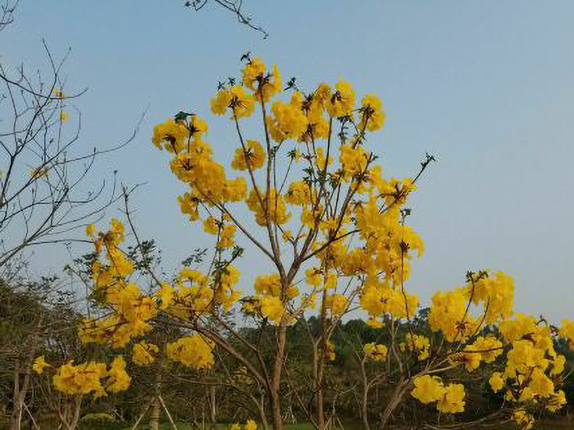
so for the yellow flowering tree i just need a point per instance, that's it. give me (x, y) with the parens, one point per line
(334, 230)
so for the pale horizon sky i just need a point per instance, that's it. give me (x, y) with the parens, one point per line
(487, 87)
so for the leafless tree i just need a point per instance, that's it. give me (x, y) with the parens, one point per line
(233, 6)
(45, 188)
(7, 9)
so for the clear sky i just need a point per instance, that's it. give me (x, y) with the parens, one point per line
(486, 86)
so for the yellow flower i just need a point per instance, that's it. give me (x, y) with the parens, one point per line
(80, 379)
(226, 239)
(275, 210)
(372, 115)
(272, 308)
(118, 379)
(341, 102)
(91, 230)
(165, 295)
(143, 353)
(337, 303)
(259, 81)
(250, 425)
(557, 400)
(287, 236)
(376, 352)
(353, 160)
(194, 351)
(253, 157)
(210, 225)
(452, 400)
(171, 135)
(428, 389)
(286, 122)
(39, 364)
(373, 323)
(497, 291)
(540, 384)
(299, 193)
(524, 419)
(417, 343)
(496, 382)
(240, 105)
(567, 331)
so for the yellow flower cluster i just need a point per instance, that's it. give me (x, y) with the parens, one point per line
(174, 136)
(448, 313)
(224, 231)
(288, 121)
(263, 84)
(353, 160)
(80, 379)
(251, 157)
(234, 99)
(418, 344)
(272, 308)
(388, 244)
(450, 310)
(483, 349)
(194, 351)
(523, 419)
(378, 299)
(337, 304)
(430, 389)
(497, 292)
(90, 377)
(531, 368)
(372, 115)
(340, 102)
(269, 298)
(567, 332)
(299, 194)
(330, 351)
(144, 353)
(270, 210)
(249, 425)
(132, 309)
(196, 292)
(118, 379)
(376, 352)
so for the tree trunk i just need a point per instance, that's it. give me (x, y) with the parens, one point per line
(155, 404)
(365, 397)
(274, 396)
(154, 414)
(395, 400)
(212, 407)
(322, 356)
(18, 397)
(262, 414)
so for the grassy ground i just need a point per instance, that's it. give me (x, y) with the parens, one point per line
(564, 424)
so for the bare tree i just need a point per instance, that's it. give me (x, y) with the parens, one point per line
(7, 9)
(233, 6)
(45, 190)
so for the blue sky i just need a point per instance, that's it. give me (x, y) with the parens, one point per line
(488, 87)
